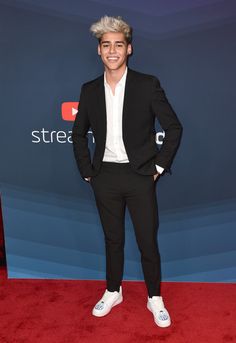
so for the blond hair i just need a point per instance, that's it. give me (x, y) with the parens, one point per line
(111, 24)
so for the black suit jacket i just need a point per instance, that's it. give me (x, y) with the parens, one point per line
(144, 101)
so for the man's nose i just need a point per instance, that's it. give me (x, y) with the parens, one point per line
(112, 48)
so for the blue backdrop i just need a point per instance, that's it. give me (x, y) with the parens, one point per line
(52, 229)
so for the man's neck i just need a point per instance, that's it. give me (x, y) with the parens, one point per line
(114, 76)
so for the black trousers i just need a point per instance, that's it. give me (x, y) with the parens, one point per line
(115, 187)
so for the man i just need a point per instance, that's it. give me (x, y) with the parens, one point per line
(121, 107)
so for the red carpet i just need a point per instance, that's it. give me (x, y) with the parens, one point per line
(58, 311)
(2, 245)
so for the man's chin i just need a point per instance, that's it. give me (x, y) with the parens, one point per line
(113, 67)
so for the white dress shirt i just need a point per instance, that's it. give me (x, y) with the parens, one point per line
(114, 148)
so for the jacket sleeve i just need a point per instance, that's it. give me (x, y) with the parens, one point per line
(79, 137)
(169, 123)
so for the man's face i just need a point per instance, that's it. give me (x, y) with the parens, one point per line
(114, 50)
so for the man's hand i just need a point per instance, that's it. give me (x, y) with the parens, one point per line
(155, 176)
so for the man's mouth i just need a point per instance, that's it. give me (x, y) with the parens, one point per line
(113, 59)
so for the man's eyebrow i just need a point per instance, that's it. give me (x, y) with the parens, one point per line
(117, 41)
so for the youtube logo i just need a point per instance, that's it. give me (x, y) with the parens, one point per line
(69, 110)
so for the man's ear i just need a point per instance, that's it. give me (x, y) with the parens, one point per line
(99, 49)
(129, 50)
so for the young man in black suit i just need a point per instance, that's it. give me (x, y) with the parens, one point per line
(121, 107)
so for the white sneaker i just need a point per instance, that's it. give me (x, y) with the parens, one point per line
(161, 316)
(108, 300)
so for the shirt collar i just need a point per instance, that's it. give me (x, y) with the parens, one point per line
(122, 80)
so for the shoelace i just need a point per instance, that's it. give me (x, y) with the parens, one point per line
(158, 302)
(106, 296)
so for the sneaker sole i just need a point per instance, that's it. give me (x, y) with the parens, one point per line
(117, 302)
(161, 325)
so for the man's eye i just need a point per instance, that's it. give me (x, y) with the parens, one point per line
(119, 45)
(105, 45)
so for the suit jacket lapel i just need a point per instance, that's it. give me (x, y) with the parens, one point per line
(102, 105)
(128, 98)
